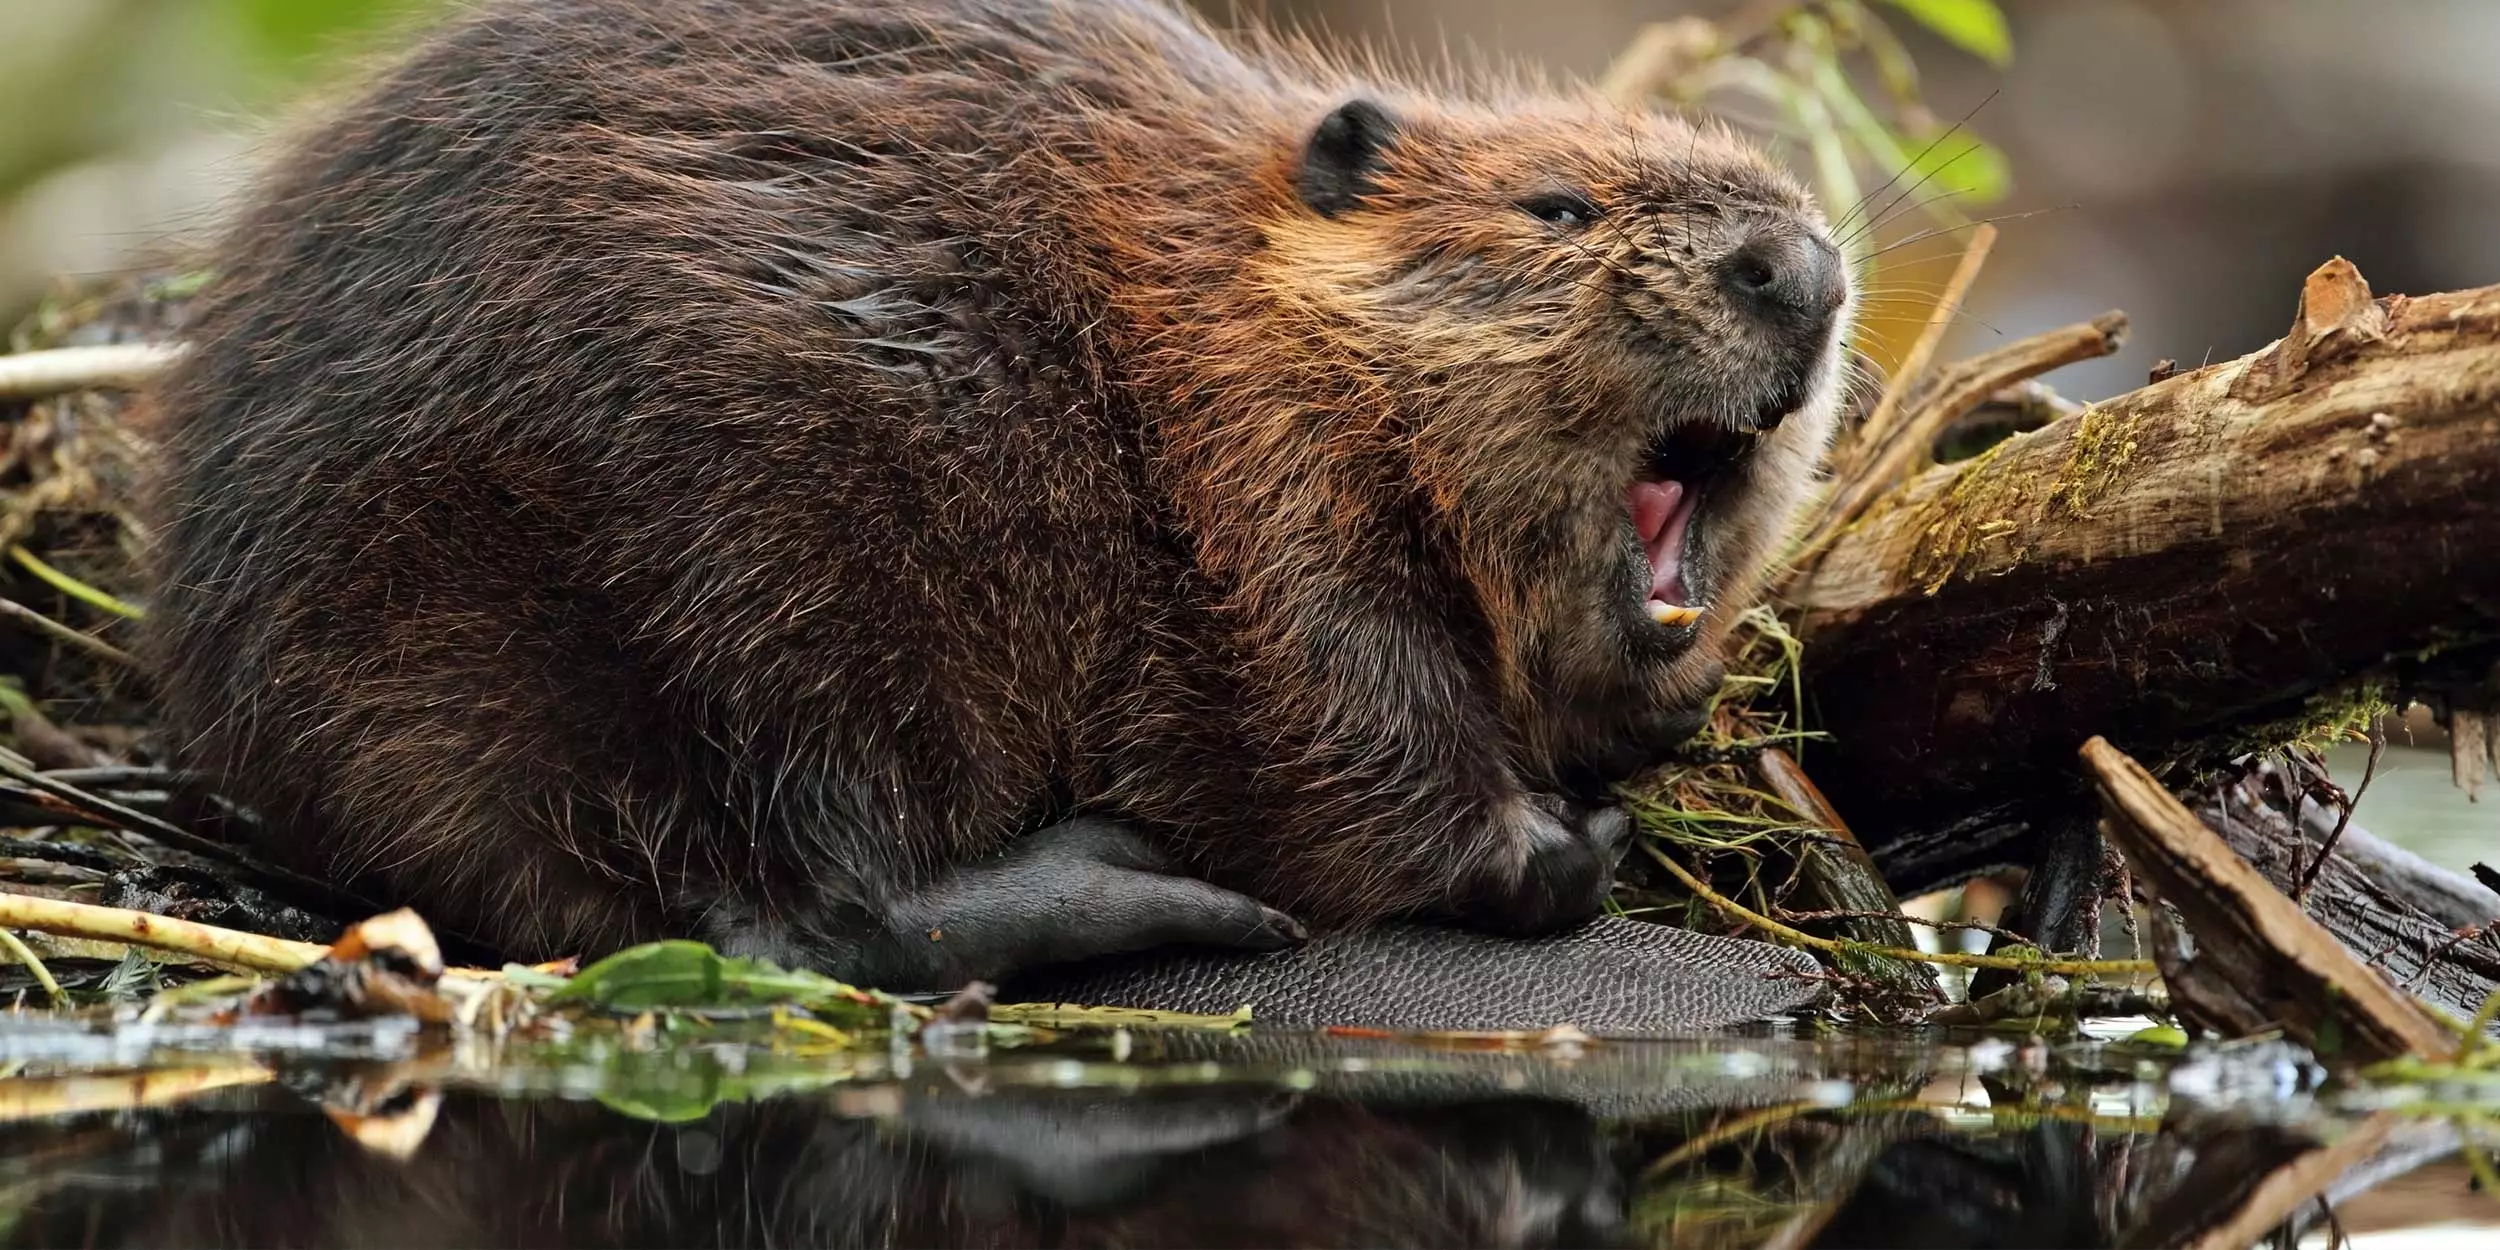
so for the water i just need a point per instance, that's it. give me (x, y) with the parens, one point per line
(1777, 1137)
(2414, 802)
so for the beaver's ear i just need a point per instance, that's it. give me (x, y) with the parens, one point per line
(1342, 155)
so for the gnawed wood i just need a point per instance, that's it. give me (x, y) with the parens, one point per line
(2469, 750)
(1891, 452)
(2280, 1193)
(2396, 918)
(1874, 456)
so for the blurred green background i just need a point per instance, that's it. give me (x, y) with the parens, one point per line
(123, 122)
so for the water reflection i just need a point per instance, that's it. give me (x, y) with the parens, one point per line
(1194, 1140)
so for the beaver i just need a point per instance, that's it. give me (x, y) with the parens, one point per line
(923, 488)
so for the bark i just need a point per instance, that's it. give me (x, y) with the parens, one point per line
(2390, 920)
(1836, 873)
(2169, 568)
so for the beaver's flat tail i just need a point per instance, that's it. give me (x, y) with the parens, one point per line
(1610, 976)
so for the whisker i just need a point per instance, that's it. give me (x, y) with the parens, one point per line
(1894, 209)
(1923, 153)
(1925, 235)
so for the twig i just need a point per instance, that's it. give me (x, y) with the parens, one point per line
(2378, 747)
(230, 948)
(1841, 873)
(2049, 997)
(1858, 487)
(1965, 385)
(2007, 936)
(2470, 750)
(60, 370)
(1659, 53)
(1662, 52)
(1799, 937)
(328, 896)
(2279, 1193)
(73, 587)
(43, 975)
(80, 639)
(1719, 1135)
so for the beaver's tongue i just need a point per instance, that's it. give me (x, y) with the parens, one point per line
(1660, 513)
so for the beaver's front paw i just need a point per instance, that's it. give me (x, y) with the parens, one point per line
(1554, 871)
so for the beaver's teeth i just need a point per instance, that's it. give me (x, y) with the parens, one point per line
(1666, 613)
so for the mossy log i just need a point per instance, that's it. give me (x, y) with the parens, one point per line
(2218, 551)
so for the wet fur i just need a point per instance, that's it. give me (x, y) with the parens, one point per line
(663, 466)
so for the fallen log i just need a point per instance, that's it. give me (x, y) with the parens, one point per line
(2174, 567)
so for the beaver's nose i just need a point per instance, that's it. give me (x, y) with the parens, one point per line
(1787, 276)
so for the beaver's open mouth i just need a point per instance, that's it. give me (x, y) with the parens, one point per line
(1680, 469)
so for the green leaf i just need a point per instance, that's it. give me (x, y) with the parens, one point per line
(692, 977)
(1974, 26)
(2160, 1037)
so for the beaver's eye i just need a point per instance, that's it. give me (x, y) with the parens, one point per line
(1560, 209)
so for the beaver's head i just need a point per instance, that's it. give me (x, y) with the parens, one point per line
(1614, 341)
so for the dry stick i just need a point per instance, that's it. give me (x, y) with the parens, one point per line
(1964, 385)
(43, 975)
(1858, 487)
(36, 1097)
(1661, 52)
(60, 370)
(80, 639)
(2300, 1180)
(1799, 937)
(139, 822)
(228, 947)
(2470, 748)
(2260, 961)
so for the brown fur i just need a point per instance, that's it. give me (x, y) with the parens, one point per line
(665, 466)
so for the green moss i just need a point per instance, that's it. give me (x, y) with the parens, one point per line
(2103, 446)
(1993, 503)
(1988, 501)
(2338, 714)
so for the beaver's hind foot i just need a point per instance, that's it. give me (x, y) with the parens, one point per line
(1078, 890)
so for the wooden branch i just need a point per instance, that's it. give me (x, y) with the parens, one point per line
(2179, 562)
(225, 948)
(1907, 443)
(2450, 899)
(2470, 749)
(1659, 53)
(2258, 963)
(60, 370)
(2280, 1193)
(1855, 465)
(1839, 875)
